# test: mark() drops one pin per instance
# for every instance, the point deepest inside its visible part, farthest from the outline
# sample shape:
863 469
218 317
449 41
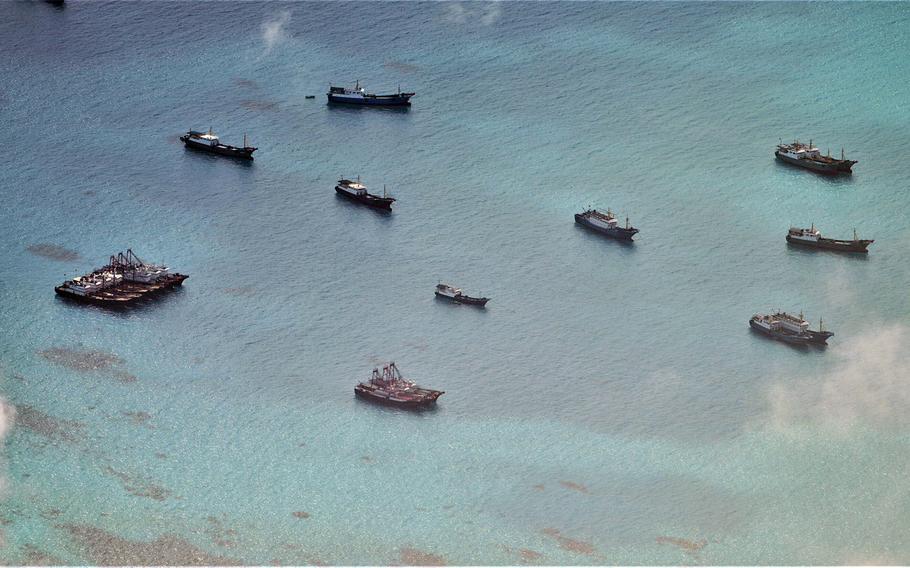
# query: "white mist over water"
869 386
274 32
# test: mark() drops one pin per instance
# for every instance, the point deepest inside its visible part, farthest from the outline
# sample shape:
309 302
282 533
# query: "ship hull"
834 167
221 149
124 294
858 246
397 100
480 302
620 233
407 404
383 203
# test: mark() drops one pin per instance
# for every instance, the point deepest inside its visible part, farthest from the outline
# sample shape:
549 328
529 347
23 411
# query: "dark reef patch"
241 82
689 546
88 361
414 557
401 66
53 252
139 418
221 534
54 429
301 515
108 549
259 105
575 487
34 556
137 485
570 544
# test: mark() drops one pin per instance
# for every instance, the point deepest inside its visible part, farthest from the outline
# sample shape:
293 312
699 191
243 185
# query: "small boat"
208 142
391 388
456 295
356 191
812 238
809 157
789 329
359 96
310 97
606 224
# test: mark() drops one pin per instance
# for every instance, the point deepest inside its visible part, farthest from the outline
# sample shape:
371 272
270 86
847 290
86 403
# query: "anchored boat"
789 329
390 387
456 295
359 96
208 142
124 280
812 238
356 191
810 157
606 224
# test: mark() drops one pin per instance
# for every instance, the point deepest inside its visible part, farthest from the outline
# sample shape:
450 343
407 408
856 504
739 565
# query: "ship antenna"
627 221
244 140
383 191
854 234
841 152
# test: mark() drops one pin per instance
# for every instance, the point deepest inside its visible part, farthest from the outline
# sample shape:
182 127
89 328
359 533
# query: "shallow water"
609 406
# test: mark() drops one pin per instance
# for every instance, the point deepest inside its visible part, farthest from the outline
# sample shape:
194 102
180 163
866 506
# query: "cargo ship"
123 281
810 157
812 238
448 292
606 224
356 191
391 388
359 96
208 142
789 329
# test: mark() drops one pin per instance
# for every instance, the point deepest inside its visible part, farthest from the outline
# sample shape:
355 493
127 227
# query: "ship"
606 224
789 329
810 157
359 96
124 280
391 388
208 142
812 237
456 295
356 191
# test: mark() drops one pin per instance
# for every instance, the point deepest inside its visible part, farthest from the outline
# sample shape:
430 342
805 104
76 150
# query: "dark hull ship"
605 224
123 281
789 329
390 388
359 96
457 296
208 142
356 191
812 238
809 157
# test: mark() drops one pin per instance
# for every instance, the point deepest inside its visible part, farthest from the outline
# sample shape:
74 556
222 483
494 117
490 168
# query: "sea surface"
611 404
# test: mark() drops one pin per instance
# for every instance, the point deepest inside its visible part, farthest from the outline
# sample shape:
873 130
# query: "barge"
389 387
809 157
813 238
123 281
209 142
605 224
359 96
448 292
789 329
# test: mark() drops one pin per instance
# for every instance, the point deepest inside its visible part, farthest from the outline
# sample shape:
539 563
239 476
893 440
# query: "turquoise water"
609 406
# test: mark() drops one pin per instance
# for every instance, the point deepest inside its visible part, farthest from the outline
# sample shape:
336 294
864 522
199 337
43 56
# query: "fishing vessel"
208 142
812 238
124 280
356 191
359 96
606 224
390 387
789 328
810 157
456 295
